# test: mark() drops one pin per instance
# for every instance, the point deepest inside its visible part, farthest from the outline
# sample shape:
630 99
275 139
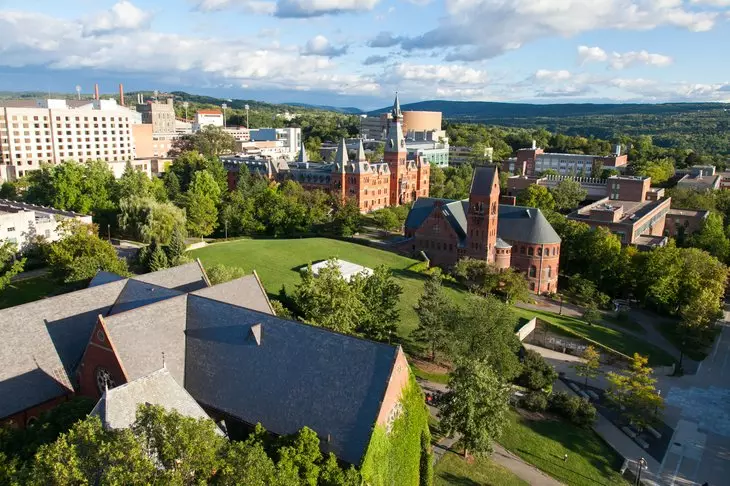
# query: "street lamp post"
246 108
185 105
641 464
224 106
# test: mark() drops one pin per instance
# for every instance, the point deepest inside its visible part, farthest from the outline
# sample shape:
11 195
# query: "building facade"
461 154
482 228
290 138
53 131
434 152
534 161
21 222
204 118
161 116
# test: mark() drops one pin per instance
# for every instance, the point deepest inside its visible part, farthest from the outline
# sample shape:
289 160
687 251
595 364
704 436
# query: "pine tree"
176 248
156 258
433 309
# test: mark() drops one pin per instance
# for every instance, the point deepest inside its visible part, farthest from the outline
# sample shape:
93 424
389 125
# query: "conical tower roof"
302 153
361 152
341 158
396 108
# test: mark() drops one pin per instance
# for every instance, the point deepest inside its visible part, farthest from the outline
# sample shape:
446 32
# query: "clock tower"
402 189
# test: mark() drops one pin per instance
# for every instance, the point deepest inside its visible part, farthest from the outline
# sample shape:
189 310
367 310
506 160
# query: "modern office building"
462 154
434 152
204 118
21 222
50 131
290 138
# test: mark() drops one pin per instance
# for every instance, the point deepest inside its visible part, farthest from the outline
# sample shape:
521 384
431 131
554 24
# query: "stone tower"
483 213
395 156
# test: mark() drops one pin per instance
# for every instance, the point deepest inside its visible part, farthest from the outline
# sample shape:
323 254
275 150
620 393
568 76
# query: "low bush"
574 409
535 401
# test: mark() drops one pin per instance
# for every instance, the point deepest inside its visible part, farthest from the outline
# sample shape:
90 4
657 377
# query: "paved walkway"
523 470
39 272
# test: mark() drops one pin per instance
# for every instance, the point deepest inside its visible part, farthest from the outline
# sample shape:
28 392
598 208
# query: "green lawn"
442 378
453 469
29 290
628 324
611 338
544 443
277 263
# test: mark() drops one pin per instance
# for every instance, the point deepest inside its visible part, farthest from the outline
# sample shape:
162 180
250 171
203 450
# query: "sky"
359 52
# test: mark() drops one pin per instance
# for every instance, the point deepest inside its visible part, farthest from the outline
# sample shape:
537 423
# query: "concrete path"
39 272
523 470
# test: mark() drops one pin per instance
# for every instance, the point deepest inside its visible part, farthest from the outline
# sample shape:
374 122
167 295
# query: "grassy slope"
29 290
545 442
277 263
612 338
452 469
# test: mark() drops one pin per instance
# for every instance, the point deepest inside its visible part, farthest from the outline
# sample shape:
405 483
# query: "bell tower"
395 156
483 214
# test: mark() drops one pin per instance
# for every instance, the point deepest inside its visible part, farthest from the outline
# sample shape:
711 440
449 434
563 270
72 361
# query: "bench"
653 432
628 432
573 386
644 444
592 394
583 394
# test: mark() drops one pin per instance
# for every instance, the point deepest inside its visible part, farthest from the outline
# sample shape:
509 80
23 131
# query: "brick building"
174 324
534 161
395 180
480 227
633 211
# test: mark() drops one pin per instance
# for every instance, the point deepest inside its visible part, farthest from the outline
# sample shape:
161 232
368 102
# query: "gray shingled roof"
519 223
137 294
500 243
141 335
420 210
299 375
185 278
117 408
483 180
245 292
41 343
103 277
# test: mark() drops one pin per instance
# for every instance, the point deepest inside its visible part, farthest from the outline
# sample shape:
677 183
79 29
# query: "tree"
201 201
475 406
590 365
514 286
437 181
177 246
536 197
144 219
380 294
221 273
635 390
478 275
568 194
484 329
246 463
172 185
347 219
386 219
711 238
9 264
80 253
328 300
433 309
213 141
157 259
133 183
591 314
8 190
537 374
660 170
187 164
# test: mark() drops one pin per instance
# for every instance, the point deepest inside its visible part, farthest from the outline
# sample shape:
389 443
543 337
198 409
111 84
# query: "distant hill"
492 112
348 110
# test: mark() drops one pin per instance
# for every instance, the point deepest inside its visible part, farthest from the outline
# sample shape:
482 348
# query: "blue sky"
358 52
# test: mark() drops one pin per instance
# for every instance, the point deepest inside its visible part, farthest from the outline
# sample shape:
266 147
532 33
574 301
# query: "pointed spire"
396 108
341 158
361 152
302 153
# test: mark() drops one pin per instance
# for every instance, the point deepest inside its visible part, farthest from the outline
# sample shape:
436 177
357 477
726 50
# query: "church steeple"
341 158
361 153
395 141
302 153
396 113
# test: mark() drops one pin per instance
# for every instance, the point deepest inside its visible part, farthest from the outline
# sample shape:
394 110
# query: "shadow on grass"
452 478
561 468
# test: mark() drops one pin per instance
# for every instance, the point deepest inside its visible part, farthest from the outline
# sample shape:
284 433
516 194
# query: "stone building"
480 227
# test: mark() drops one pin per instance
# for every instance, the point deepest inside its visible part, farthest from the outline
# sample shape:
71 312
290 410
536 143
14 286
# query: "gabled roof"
529 225
138 294
296 375
141 336
245 291
103 277
41 343
185 278
117 407
483 180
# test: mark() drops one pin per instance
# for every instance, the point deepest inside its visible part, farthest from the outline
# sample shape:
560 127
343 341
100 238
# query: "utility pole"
224 106
641 464
246 108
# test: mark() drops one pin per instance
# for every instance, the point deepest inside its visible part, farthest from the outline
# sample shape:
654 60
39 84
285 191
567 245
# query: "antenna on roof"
163 359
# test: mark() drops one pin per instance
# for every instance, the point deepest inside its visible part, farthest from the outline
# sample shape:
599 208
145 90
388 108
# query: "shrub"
574 409
535 401
537 374
585 414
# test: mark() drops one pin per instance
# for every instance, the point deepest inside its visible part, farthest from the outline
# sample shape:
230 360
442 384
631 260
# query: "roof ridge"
64 294
147 306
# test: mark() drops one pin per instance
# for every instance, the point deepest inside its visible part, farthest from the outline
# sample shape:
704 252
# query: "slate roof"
519 223
42 342
298 375
185 278
482 181
117 407
245 291
502 244
141 336
137 294
103 277
516 223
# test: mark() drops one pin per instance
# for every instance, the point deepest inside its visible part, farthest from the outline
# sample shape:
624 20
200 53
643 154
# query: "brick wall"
398 381
100 353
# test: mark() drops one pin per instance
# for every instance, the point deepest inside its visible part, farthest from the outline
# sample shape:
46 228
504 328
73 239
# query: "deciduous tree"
635 391
10 265
380 294
536 197
590 365
568 194
201 201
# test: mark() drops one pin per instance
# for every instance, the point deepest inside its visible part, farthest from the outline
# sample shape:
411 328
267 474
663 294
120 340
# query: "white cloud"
590 54
446 74
321 46
622 60
713 3
316 8
552 76
39 40
123 16
254 6
513 23
384 39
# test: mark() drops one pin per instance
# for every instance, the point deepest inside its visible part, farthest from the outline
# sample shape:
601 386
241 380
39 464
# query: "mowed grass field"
278 263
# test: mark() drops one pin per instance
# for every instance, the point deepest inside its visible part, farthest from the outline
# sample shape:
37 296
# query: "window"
522 250
104 380
533 271
11 229
549 271
530 251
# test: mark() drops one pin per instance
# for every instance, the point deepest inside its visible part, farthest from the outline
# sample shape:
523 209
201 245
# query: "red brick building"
395 180
480 227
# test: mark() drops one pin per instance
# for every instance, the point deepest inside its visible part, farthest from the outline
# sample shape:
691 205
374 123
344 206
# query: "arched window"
549 271
539 252
530 251
533 271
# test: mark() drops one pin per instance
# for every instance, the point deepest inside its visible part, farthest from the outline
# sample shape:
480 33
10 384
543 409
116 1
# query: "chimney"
96 91
121 94
617 149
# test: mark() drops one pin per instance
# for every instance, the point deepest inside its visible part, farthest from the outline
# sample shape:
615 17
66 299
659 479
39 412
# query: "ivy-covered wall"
404 456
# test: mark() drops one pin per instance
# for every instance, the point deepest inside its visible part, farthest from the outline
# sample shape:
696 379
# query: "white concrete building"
291 138
347 269
51 131
204 118
21 222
